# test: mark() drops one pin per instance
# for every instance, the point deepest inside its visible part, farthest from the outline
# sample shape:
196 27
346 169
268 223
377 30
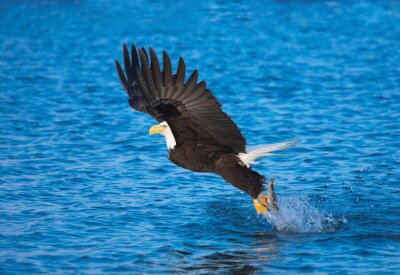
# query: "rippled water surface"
84 188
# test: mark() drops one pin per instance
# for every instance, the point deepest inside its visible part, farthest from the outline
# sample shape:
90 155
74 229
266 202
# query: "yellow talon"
263 199
260 207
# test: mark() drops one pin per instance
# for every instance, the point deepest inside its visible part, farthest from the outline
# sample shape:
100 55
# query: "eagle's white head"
164 129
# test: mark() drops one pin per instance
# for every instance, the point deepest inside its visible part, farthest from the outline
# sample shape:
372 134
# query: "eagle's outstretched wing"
189 108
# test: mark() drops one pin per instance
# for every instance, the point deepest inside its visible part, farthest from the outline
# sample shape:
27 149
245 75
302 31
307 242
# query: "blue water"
84 188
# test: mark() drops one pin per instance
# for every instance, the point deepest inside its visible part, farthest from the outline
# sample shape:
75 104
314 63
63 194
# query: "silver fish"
271 196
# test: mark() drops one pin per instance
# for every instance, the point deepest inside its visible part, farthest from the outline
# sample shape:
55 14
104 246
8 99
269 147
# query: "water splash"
300 216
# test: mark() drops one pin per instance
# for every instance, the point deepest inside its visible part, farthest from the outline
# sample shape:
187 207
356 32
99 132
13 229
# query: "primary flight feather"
199 135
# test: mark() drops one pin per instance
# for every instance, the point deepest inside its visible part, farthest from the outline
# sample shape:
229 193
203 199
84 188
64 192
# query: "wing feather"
146 73
167 72
180 74
122 77
192 80
134 57
155 69
128 66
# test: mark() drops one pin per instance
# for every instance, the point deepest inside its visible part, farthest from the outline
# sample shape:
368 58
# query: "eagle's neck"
169 137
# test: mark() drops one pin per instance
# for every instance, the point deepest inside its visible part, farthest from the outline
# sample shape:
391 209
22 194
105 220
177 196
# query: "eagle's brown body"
226 164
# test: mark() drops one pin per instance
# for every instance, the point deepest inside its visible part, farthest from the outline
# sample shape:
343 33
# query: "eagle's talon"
261 208
263 199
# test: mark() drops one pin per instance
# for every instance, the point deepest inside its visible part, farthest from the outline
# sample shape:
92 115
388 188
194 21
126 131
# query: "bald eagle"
199 135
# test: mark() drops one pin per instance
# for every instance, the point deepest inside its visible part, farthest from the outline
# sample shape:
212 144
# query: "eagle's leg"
261 204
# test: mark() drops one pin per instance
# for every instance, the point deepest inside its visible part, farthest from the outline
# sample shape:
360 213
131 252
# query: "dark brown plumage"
207 140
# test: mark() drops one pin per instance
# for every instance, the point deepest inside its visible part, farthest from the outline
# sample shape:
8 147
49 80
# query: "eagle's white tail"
264 150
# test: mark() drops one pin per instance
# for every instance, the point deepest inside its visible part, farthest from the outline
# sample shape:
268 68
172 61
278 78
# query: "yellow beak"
155 130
